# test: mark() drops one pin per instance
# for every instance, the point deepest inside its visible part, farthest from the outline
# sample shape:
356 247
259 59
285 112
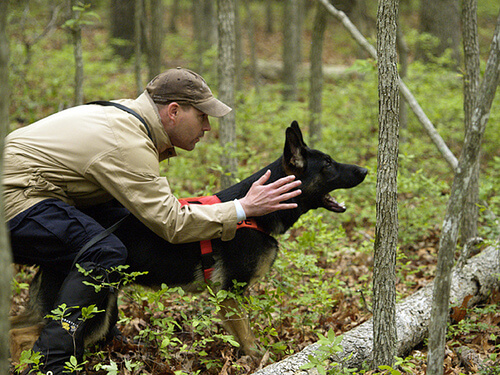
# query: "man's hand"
263 199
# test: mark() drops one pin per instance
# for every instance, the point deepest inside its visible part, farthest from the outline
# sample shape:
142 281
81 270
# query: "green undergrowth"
321 281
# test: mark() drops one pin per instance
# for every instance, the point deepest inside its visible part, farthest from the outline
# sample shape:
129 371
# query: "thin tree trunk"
449 235
250 26
477 278
76 33
138 48
410 99
290 49
174 12
5 252
471 84
226 19
316 76
156 38
386 229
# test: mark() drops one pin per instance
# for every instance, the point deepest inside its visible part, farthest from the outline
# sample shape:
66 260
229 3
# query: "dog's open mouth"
332 205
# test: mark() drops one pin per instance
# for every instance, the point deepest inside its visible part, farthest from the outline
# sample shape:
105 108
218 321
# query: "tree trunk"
155 37
441 19
386 229
122 27
227 129
477 278
76 33
316 76
205 29
269 17
139 14
410 99
471 84
447 243
5 253
291 48
174 12
250 27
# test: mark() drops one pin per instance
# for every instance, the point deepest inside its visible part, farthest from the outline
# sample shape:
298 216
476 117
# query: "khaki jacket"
88 154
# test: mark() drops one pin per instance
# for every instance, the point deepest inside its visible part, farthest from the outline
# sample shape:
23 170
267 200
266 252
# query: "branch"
410 99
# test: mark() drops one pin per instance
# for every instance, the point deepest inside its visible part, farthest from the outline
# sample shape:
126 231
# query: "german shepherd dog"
245 258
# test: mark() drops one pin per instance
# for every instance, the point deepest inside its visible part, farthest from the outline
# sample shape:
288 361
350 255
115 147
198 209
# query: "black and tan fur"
246 258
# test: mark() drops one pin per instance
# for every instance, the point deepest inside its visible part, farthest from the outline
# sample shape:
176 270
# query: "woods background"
291 60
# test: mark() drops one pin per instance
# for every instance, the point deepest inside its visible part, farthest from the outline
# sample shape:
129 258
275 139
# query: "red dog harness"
206 246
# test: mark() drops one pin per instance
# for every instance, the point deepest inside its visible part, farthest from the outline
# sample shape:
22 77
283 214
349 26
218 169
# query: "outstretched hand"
263 199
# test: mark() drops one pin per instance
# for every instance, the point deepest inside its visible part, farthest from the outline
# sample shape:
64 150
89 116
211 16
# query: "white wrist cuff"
240 212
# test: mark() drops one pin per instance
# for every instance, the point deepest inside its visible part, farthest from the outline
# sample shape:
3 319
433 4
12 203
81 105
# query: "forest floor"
195 342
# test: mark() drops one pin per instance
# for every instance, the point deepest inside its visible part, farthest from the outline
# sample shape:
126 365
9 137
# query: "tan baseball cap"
185 85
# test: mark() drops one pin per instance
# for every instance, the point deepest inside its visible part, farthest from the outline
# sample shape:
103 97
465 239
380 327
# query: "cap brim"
213 107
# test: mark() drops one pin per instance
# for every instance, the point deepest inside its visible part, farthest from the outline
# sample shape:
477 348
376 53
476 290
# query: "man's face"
190 125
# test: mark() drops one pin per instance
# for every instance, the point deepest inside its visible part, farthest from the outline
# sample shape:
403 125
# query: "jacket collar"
145 106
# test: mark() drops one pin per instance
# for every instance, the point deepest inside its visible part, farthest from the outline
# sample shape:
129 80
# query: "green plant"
321 360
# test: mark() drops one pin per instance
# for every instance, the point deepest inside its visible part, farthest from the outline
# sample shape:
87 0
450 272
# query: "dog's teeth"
342 204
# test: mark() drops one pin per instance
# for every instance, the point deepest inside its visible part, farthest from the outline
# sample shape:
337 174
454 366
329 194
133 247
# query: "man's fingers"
290 195
262 180
282 181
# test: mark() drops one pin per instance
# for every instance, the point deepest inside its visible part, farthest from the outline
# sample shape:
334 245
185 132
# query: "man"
59 169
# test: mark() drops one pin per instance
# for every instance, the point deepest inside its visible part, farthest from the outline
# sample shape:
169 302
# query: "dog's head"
319 173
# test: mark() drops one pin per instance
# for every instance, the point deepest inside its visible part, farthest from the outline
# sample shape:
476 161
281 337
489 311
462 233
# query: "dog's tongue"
331 204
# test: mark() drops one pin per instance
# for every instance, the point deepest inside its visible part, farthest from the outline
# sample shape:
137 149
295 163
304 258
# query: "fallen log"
478 277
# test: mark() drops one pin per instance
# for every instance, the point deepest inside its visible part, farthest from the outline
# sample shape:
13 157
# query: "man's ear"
294 154
172 110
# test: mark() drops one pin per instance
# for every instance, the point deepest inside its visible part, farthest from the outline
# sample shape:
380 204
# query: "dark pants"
51 234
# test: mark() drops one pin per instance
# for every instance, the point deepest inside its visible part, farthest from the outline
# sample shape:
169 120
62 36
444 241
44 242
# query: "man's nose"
206 125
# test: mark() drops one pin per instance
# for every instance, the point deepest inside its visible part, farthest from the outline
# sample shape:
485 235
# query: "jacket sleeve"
131 175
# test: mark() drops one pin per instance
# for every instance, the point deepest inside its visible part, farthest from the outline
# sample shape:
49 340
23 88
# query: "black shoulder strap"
126 109
98 237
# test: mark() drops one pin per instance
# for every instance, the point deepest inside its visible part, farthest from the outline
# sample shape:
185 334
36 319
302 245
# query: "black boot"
63 337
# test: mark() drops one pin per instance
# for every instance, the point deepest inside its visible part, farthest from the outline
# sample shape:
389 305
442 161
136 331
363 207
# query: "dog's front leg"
236 322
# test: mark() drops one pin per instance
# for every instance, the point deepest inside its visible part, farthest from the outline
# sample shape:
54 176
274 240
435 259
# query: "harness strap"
126 109
97 238
207 260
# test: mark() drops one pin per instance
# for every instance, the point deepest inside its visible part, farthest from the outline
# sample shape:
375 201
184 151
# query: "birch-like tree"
449 233
386 229
470 40
291 48
316 75
227 81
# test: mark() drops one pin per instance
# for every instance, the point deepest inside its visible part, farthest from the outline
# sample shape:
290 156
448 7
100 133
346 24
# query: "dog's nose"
362 171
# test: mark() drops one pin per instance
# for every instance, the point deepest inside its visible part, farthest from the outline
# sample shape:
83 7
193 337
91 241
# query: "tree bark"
122 27
250 27
5 253
386 229
155 38
449 233
412 102
477 278
291 49
227 77
205 29
76 33
471 84
139 14
316 75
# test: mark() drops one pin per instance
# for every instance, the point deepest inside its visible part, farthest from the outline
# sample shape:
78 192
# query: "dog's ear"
295 127
294 154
